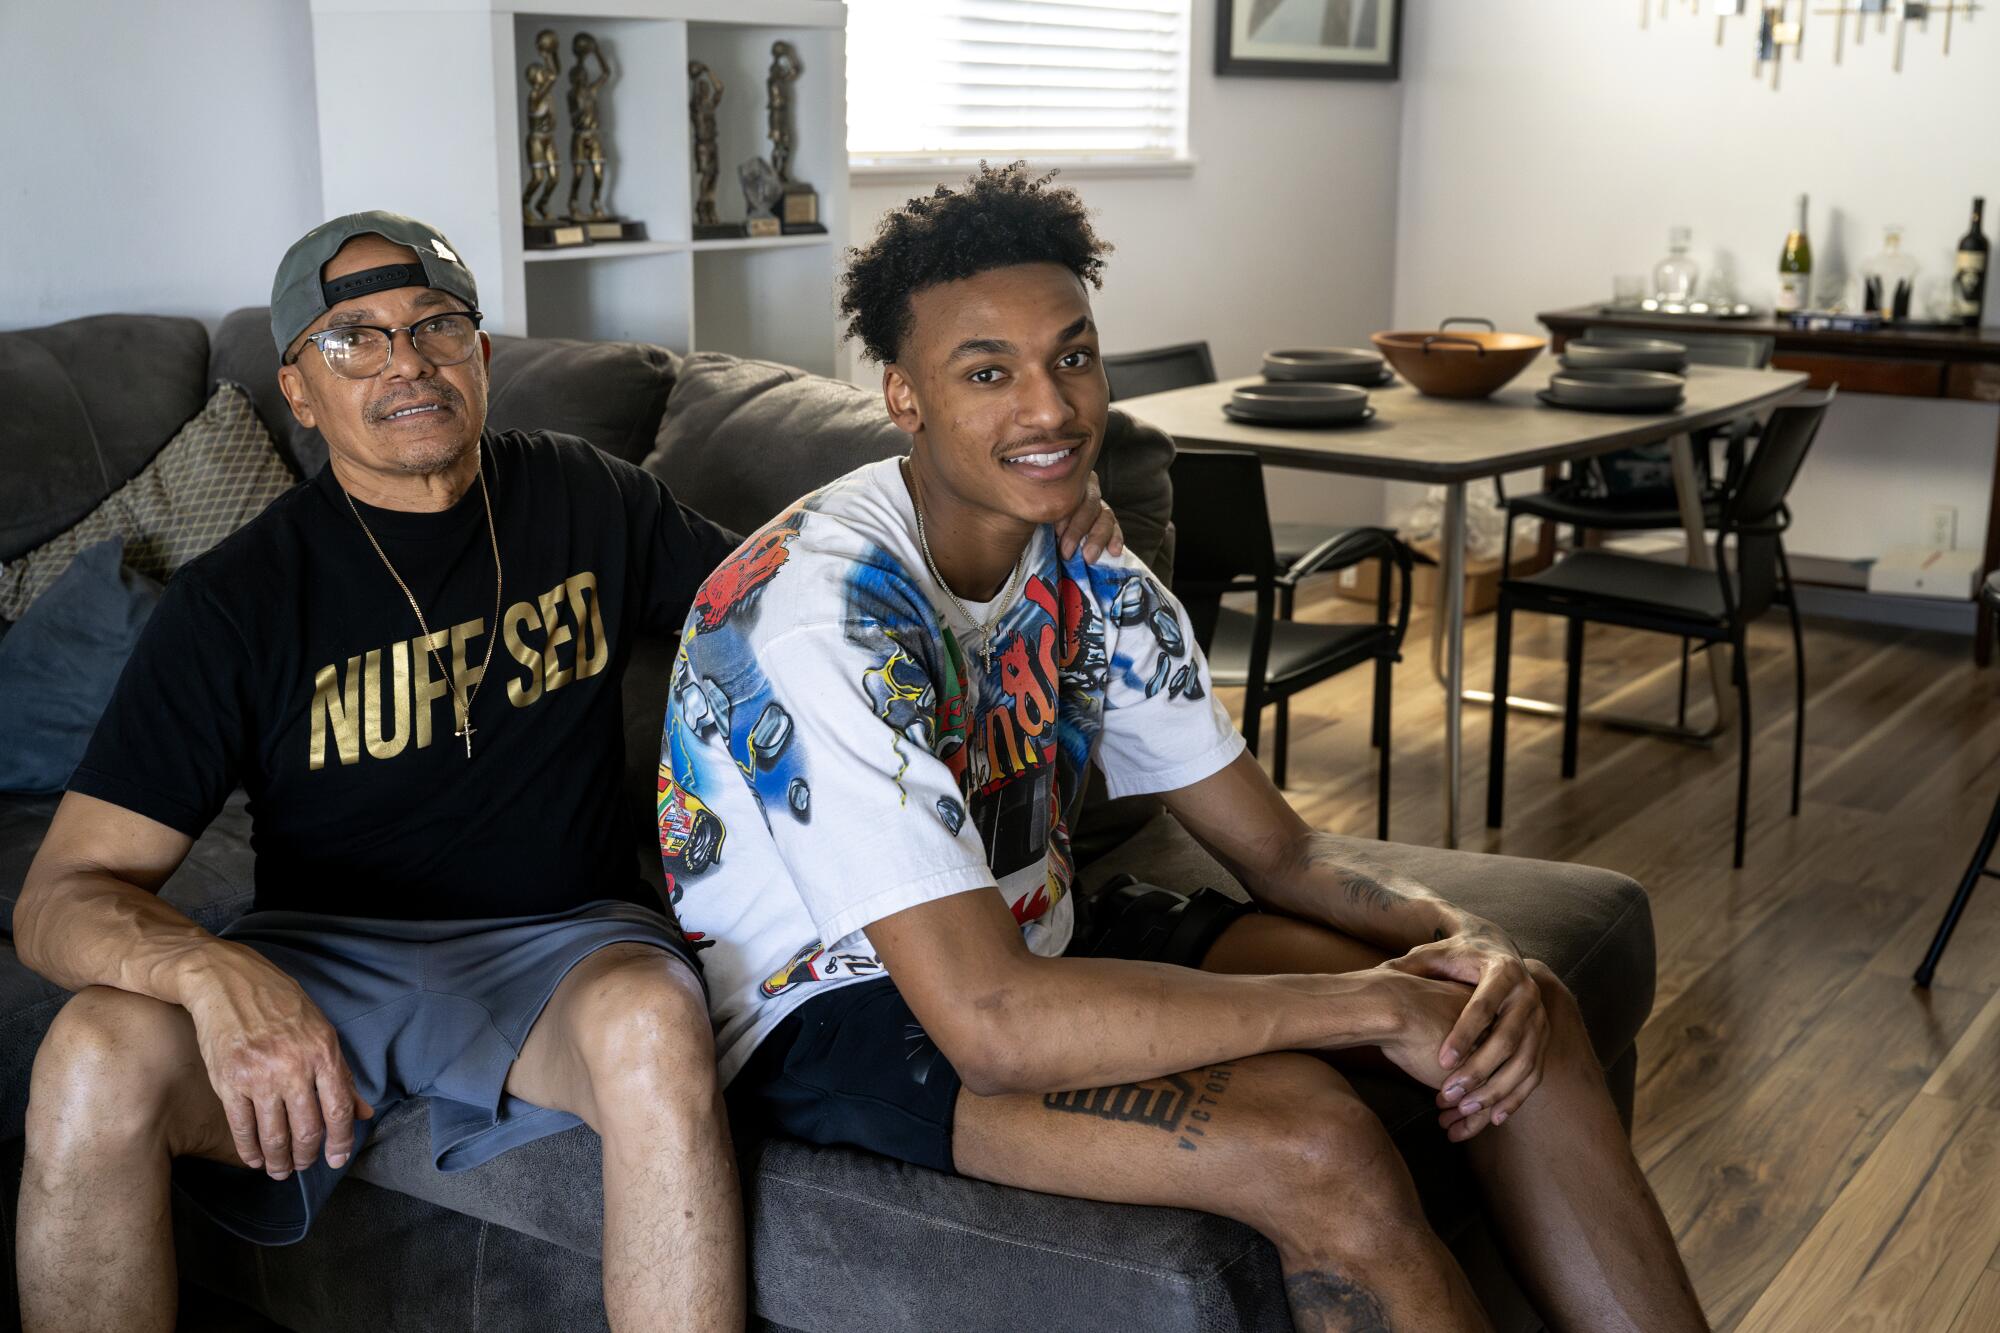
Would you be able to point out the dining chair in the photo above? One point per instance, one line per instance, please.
(1612, 493)
(1224, 545)
(1713, 606)
(1982, 856)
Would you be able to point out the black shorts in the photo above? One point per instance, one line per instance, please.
(855, 1066)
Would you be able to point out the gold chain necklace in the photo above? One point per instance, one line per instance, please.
(458, 694)
(986, 628)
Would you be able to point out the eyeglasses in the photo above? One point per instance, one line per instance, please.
(362, 351)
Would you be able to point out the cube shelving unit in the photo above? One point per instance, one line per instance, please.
(422, 110)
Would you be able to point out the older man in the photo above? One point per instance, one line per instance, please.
(412, 662)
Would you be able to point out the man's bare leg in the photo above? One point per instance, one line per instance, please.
(625, 1045)
(1565, 1193)
(1278, 1142)
(118, 1091)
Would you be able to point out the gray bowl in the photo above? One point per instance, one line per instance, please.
(1617, 388)
(1625, 354)
(1337, 365)
(1300, 401)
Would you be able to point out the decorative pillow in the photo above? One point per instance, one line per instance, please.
(59, 664)
(215, 475)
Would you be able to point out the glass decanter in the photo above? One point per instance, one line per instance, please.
(1888, 278)
(1674, 277)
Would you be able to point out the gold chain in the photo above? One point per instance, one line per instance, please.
(458, 694)
(985, 627)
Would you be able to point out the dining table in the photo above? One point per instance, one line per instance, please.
(1453, 442)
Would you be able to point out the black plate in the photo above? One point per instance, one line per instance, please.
(1551, 400)
(1231, 411)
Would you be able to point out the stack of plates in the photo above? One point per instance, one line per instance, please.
(1299, 403)
(1626, 354)
(1614, 390)
(1326, 365)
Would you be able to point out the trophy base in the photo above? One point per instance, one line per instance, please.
(800, 211)
(615, 229)
(553, 235)
(765, 226)
(720, 231)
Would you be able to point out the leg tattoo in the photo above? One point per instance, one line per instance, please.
(1323, 1302)
(1172, 1104)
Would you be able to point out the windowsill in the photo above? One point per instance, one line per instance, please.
(926, 171)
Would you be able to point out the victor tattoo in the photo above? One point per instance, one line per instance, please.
(1171, 1104)
(1324, 1300)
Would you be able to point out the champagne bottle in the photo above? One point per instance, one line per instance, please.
(1795, 267)
(1968, 284)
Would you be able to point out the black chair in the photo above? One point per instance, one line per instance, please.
(1223, 545)
(1713, 606)
(1982, 858)
(1135, 374)
(1586, 499)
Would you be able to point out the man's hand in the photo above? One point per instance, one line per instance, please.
(276, 1064)
(1494, 1050)
(1425, 1009)
(1093, 524)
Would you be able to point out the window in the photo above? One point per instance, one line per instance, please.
(945, 82)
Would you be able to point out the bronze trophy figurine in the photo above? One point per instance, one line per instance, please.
(541, 232)
(704, 96)
(586, 146)
(800, 201)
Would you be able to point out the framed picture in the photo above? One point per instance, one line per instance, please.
(1326, 39)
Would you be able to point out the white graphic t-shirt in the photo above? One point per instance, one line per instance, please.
(841, 745)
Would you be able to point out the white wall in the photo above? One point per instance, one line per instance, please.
(1548, 146)
(1284, 233)
(161, 157)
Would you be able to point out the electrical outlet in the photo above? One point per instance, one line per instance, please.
(1941, 527)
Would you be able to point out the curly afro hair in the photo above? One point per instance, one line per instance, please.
(1000, 217)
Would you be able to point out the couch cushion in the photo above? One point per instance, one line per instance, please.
(609, 393)
(217, 474)
(743, 439)
(89, 401)
(58, 669)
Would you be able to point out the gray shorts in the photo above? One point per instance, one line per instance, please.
(433, 1009)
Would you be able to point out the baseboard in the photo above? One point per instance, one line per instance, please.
(1876, 608)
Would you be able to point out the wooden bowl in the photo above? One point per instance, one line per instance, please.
(1457, 364)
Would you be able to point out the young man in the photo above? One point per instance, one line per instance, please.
(446, 906)
(883, 711)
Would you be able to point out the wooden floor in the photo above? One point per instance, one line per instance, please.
(1824, 1136)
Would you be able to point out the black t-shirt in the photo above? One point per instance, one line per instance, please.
(287, 661)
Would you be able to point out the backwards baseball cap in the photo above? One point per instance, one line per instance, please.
(299, 296)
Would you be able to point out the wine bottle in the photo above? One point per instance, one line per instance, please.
(1968, 284)
(1795, 267)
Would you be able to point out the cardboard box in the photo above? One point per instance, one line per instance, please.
(1482, 578)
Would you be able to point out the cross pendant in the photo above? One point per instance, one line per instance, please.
(466, 732)
(986, 659)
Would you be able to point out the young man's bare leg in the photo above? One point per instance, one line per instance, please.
(1565, 1193)
(118, 1090)
(625, 1045)
(1279, 1142)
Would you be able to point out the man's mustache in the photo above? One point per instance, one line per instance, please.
(438, 392)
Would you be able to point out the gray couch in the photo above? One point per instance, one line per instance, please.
(840, 1239)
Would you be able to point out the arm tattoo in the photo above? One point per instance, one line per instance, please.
(1325, 1302)
(1182, 1105)
(1346, 870)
